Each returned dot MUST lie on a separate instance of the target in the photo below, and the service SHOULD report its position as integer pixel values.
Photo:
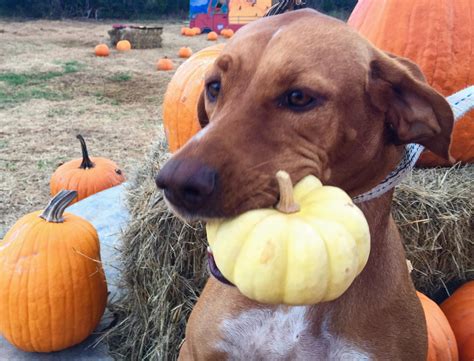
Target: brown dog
(304, 93)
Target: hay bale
(165, 260)
(434, 209)
(164, 270)
(141, 37)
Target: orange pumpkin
(439, 37)
(124, 45)
(459, 310)
(182, 95)
(189, 32)
(86, 175)
(185, 52)
(196, 30)
(441, 341)
(102, 50)
(164, 64)
(183, 30)
(52, 285)
(212, 36)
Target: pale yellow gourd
(307, 250)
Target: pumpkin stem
(86, 161)
(287, 202)
(56, 206)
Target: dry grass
(64, 89)
(164, 271)
(434, 210)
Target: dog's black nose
(187, 183)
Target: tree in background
(125, 9)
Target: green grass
(102, 98)
(17, 79)
(8, 166)
(120, 77)
(50, 164)
(22, 87)
(72, 67)
(23, 95)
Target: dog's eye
(299, 100)
(213, 90)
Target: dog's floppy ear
(201, 111)
(414, 110)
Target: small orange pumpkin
(181, 98)
(52, 285)
(183, 30)
(124, 45)
(438, 36)
(165, 64)
(196, 30)
(212, 36)
(102, 50)
(189, 32)
(227, 33)
(185, 52)
(459, 310)
(441, 340)
(86, 175)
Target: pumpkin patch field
(53, 87)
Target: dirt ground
(53, 87)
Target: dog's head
(304, 93)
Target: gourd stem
(56, 206)
(86, 161)
(287, 202)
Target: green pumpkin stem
(56, 206)
(86, 161)
(287, 203)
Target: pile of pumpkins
(211, 36)
(450, 326)
(103, 49)
(53, 290)
(165, 63)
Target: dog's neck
(387, 252)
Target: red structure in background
(216, 18)
(228, 14)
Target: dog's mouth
(214, 270)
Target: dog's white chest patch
(282, 334)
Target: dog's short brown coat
(367, 105)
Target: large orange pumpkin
(86, 175)
(52, 285)
(439, 37)
(181, 98)
(441, 340)
(459, 310)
